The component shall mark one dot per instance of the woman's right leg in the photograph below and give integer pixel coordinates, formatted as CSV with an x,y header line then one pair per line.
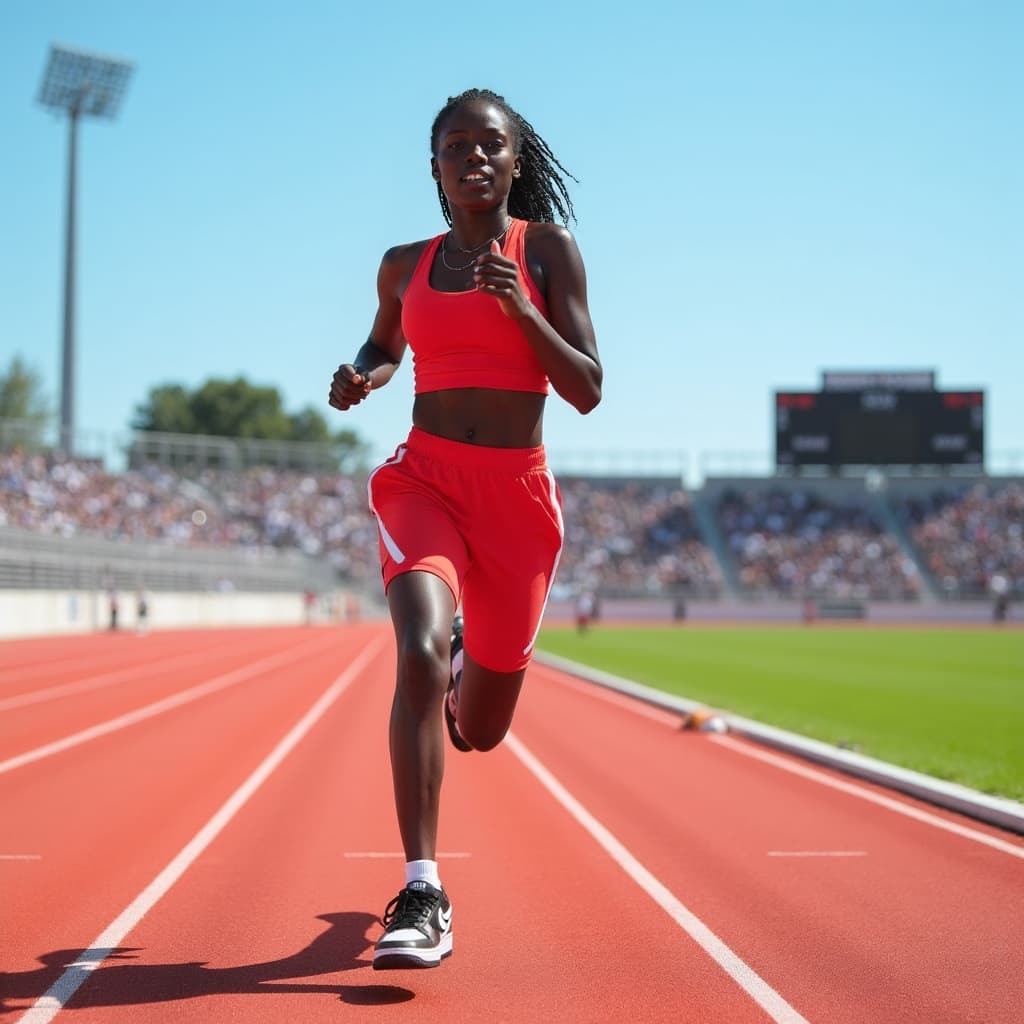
x,y
422,608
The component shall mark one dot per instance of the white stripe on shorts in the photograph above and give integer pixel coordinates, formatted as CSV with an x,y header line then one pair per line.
x,y
389,542
553,494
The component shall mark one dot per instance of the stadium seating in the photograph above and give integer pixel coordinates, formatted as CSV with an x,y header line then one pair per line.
x,y
969,535
795,543
826,540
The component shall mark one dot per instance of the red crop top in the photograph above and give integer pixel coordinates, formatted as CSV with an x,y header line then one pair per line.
x,y
463,339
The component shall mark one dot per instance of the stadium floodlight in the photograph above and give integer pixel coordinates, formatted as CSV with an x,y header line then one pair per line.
x,y
78,84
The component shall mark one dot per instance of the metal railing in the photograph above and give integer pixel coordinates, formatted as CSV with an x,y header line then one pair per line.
x,y
115,449
41,561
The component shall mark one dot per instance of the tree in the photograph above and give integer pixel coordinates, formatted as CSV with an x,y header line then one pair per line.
x,y
23,404
168,410
246,412
238,409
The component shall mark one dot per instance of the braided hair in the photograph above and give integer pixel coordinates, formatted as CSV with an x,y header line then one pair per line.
x,y
539,193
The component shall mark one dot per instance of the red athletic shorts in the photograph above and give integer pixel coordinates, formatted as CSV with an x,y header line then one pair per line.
x,y
487,521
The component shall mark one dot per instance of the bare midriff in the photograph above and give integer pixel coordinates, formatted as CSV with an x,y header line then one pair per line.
x,y
485,416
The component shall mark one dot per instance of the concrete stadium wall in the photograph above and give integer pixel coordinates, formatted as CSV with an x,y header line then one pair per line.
x,y
47,612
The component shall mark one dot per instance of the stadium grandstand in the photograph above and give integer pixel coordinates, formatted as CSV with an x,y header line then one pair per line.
x,y
825,539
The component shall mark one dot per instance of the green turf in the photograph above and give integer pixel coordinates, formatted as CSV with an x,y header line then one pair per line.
x,y
949,703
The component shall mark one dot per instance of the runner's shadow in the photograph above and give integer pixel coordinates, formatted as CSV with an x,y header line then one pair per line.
x,y
120,982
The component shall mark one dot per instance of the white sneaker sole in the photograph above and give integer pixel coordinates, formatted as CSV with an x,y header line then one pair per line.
x,y
397,958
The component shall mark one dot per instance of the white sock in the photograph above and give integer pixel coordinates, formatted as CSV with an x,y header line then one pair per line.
x,y
422,871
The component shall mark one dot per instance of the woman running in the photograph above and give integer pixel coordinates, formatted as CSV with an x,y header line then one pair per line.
x,y
495,313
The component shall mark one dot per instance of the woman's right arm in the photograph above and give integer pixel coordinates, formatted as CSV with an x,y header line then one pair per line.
x,y
378,358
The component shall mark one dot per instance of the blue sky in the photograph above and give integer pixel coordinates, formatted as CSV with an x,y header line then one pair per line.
x,y
767,190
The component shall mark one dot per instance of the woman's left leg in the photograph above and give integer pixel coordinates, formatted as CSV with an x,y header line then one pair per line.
x,y
486,703
421,607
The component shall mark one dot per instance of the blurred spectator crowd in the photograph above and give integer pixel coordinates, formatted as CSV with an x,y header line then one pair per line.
x,y
322,515
970,536
632,536
794,543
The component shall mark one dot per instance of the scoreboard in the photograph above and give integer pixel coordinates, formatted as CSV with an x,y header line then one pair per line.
x,y
879,426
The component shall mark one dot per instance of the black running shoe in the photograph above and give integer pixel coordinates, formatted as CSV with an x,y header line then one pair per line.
x,y
451,697
417,929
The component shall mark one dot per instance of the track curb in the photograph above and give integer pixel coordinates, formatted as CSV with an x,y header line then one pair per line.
x,y
1006,814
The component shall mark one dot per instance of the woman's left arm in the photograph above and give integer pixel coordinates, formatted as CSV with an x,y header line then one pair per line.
x,y
565,346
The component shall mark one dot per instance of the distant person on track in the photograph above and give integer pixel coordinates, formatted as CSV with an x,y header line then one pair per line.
x,y
141,612
1000,587
585,607
495,311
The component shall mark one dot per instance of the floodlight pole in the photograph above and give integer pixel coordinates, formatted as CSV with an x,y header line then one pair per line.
x,y
78,84
67,388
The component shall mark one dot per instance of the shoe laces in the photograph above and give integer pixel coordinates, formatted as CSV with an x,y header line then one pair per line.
x,y
410,909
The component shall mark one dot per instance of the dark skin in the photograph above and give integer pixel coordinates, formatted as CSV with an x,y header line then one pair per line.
x,y
475,163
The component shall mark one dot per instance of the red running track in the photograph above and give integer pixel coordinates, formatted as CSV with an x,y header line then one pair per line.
x,y
198,826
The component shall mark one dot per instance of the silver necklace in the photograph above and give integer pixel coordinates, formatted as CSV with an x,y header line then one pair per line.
x,y
476,248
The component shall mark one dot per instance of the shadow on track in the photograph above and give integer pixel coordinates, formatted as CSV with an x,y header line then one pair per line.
x,y
120,982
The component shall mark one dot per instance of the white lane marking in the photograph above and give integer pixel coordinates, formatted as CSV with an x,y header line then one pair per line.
x,y
389,854
160,706
670,718
25,673
866,794
106,679
53,1001
817,853
21,856
752,983
638,707
108,661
